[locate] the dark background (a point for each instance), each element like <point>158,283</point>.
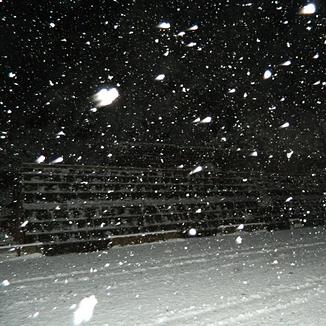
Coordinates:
<point>95,44</point>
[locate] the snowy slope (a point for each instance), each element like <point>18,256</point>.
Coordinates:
<point>269,279</point>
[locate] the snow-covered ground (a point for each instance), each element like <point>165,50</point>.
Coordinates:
<point>270,278</point>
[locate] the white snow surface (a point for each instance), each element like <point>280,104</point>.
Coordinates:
<point>271,278</point>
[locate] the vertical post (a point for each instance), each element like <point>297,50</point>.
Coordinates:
<point>18,212</point>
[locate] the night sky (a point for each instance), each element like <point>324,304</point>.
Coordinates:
<point>253,72</point>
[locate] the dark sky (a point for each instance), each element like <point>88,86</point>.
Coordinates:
<point>55,55</point>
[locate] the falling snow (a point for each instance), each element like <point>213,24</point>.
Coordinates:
<point>254,153</point>
<point>85,310</point>
<point>206,120</point>
<point>193,28</point>
<point>24,224</point>
<point>57,160</point>
<point>40,159</point>
<point>286,63</point>
<point>308,9</point>
<point>267,74</point>
<point>191,44</point>
<point>106,97</point>
<point>5,283</point>
<point>179,86</point>
<point>192,232</point>
<point>160,77</point>
<point>164,25</point>
<point>289,154</point>
<point>196,170</point>
<point>285,125</point>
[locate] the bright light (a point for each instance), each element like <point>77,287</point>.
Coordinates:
<point>106,96</point>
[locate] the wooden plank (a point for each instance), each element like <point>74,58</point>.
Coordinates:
<point>94,201</point>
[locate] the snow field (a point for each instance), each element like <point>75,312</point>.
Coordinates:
<point>270,278</point>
